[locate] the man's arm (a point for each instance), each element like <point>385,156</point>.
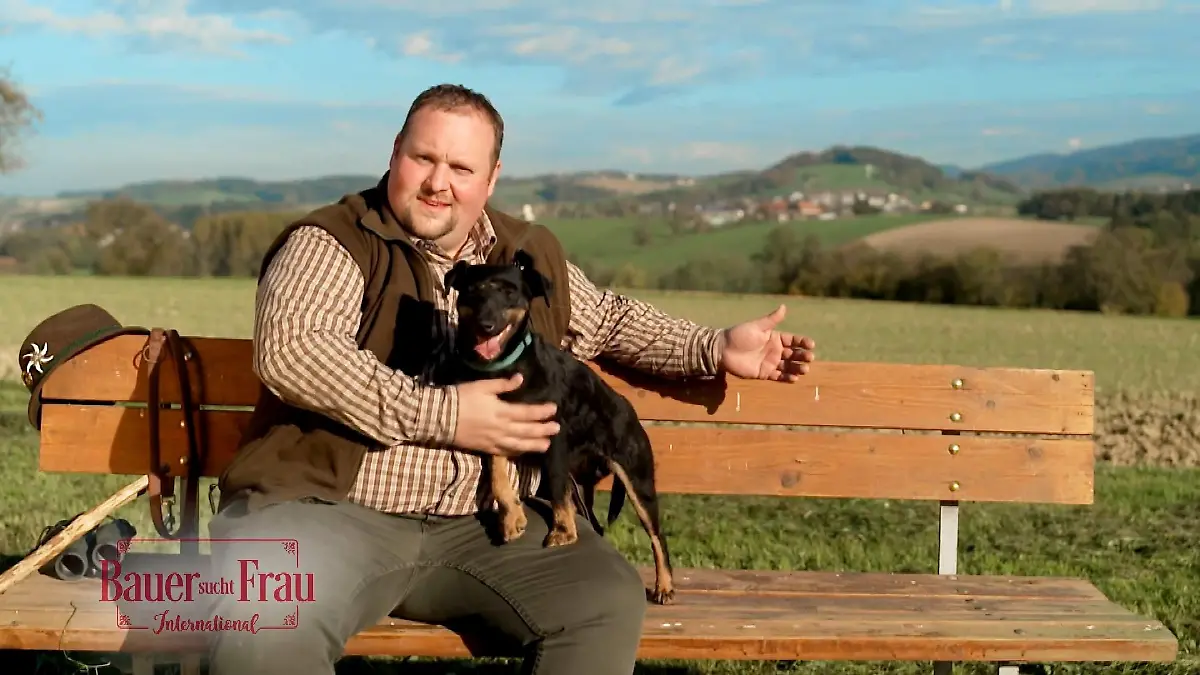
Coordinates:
<point>636,334</point>
<point>306,317</point>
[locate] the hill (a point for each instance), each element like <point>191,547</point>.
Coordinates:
<point>837,169</point>
<point>847,169</point>
<point>512,192</point>
<point>1149,163</point>
<point>1029,241</point>
<point>241,191</point>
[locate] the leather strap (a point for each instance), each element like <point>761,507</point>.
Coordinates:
<point>162,474</point>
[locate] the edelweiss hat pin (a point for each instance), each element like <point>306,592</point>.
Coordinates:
<point>59,337</point>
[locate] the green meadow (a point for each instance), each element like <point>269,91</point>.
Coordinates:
<point>1136,543</point>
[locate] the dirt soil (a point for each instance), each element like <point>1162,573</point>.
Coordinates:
<point>1027,240</point>
<point>625,185</point>
<point>1158,430</point>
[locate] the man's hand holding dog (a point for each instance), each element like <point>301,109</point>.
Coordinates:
<point>755,350</point>
<point>487,423</point>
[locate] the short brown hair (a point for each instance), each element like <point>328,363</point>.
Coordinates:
<point>454,96</point>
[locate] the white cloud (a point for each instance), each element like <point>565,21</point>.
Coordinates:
<point>156,23</point>
<point>1001,131</point>
<point>723,152</point>
<point>634,51</point>
<point>568,43</point>
<point>1092,6</point>
<point>421,44</point>
<point>674,70</point>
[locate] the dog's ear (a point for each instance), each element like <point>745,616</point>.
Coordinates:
<point>522,259</point>
<point>537,282</point>
<point>455,275</point>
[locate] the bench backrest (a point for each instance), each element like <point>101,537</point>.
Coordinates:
<point>867,430</point>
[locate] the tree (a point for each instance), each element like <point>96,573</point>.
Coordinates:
<point>642,236</point>
<point>134,240</point>
<point>17,113</point>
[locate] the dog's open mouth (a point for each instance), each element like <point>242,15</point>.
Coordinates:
<point>489,348</point>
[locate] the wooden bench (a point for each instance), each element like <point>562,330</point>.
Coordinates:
<point>883,431</point>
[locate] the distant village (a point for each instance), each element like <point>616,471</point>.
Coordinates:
<point>798,205</point>
<point>824,205</point>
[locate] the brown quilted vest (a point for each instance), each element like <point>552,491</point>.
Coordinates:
<point>288,453</point>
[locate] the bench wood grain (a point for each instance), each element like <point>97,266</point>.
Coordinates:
<point>720,614</point>
<point>852,430</point>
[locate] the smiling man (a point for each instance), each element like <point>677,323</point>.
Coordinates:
<point>376,470</point>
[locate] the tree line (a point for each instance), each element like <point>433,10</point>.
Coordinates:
<point>1171,216</point>
<point>1144,260</point>
<point>1124,271</point>
<point>122,237</point>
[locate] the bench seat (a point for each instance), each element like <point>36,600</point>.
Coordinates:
<point>719,614</point>
<point>946,433</point>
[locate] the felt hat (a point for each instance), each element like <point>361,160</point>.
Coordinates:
<point>58,338</point>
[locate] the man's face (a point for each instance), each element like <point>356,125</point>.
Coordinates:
<point>442,174</point>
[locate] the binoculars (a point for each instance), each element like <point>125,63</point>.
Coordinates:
<point>85,556</point>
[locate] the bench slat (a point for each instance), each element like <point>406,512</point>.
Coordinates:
<point>759,583</point>
<point>872,395</point>
<point>110,439</point>
<point>722,615</point>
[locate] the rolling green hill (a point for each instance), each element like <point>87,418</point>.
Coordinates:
<point>843,168</point>
<point>836,169</point>
<point>1141,164</point>
<point>1137,165</point>
<point>243,191</point>
<point>512,192</point>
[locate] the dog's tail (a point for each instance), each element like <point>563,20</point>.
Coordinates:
<point>616,499</point>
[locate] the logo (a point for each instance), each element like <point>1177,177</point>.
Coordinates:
<point>37,357</point>
<point>237,585</point>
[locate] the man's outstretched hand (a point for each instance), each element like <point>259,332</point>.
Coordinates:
<point>755,350</point>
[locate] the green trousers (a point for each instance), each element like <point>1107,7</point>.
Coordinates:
<point>574,609</point>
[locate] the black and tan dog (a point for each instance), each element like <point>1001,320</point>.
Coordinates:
<point>599,431</point>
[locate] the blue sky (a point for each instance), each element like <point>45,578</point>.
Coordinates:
<point>145,89</point>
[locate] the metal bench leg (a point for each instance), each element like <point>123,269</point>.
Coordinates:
<point>947,561</point>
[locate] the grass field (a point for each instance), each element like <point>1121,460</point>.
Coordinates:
<point>1128,353</point>
<point>1136,543</point>
<point>610,241</point>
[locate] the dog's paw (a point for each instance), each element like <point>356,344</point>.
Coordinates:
<point>561,537</point>
<point>661,596</point>
<point>512,524</point>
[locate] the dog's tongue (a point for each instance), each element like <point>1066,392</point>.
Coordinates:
<point>490,348</point>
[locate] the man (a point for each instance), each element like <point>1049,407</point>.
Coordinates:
<point>376,472</point>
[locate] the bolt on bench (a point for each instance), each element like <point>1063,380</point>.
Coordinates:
<point>882,431</point>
